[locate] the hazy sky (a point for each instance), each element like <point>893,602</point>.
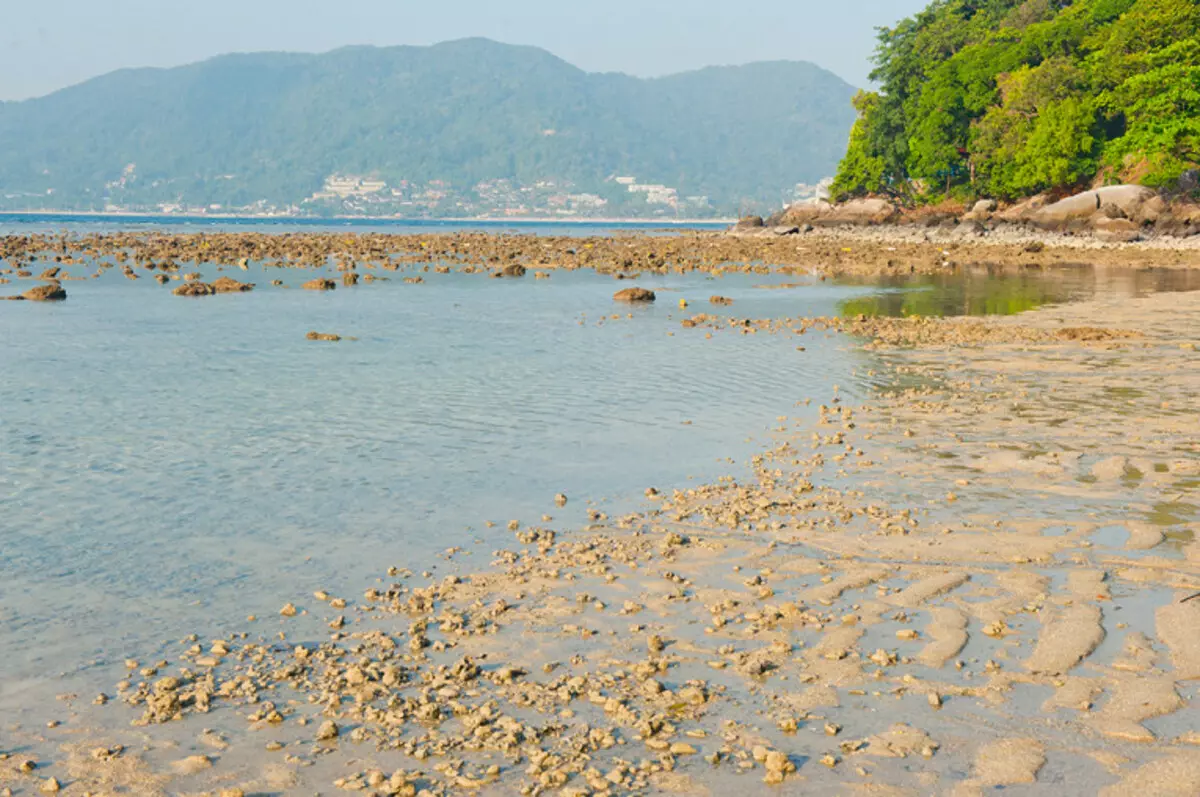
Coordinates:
<point>48,44</point>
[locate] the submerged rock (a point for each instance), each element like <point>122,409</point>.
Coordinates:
<point>323,336</point>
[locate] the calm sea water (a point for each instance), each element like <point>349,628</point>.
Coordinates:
<point>172,465</point>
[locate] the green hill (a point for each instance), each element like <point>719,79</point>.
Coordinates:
<point>1007,98</point>
<point>272,126</point>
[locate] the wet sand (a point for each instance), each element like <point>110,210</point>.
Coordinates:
<point>972,580</point>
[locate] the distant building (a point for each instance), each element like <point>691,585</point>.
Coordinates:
<point>347,186</point>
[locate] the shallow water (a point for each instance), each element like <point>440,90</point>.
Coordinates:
<point>984,292</point>
<point>170,465</point>
<point>168,461</point>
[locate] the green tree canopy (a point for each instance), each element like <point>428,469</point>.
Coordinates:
<point>1007,98</point>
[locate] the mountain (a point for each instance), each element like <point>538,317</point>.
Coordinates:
<point>273,126</point>
<point>1008,98</point>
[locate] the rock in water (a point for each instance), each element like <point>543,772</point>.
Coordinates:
<point>319,285</point>
<point>50,292</point>
<point>227,285</point>
<point>513,270</point>
<point>194,289</point>
<point>634,295</point>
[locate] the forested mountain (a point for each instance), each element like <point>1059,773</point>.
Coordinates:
<point>1007,98</point>
<point>272,126</point>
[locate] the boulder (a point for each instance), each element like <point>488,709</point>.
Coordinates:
<point>940,218</point>
<point>1181,218</point>
<point>785,229</point>
<point>1023,210</point>
<point>858,212</point>
<point>1133,202</point>
<point>803,213</point>
<point>748,223</point>
<point>194,289</point>
<point>227,285</point>
<point>981,210</point>
<point>1115,230</point>
<point>350,278</point>
<point>50,292</point>
<point>634,295</point>
<point>319,284</point>
<point>513,270</point>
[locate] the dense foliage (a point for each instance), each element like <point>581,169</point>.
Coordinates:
<point>1007,98</point>
<point>272,126</point>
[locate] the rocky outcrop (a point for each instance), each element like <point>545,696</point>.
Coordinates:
<point>634,295</point>
<point>1113,214</point>
<point>856,212</point>
<point>804,213</point>
<point>861,212</point>
<point>1133,202</point>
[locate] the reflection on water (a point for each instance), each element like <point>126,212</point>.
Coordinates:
<point>982,292</point>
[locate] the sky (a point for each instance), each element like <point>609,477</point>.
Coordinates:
<point>48,44</point>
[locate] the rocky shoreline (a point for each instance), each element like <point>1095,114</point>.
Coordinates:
<point>1118,214</point>
<point>875,251</point>
<point>968,580</point>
